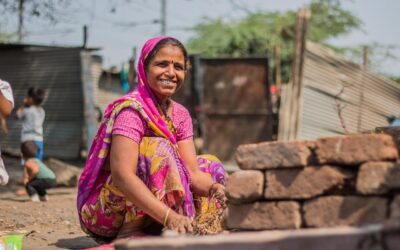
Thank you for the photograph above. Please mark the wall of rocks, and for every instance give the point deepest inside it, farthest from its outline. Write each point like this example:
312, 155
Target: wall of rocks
333, 181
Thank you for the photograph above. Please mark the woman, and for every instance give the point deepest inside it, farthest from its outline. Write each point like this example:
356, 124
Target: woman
142, 166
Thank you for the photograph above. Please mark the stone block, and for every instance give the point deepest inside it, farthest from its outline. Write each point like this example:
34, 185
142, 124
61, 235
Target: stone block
304, 183
355, 149
330, 211
264, 215
245, 186
395, 207
378, 177
267, 155
392, 131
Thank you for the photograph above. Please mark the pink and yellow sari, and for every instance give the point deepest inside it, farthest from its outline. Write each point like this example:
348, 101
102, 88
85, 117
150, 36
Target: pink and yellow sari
102, 207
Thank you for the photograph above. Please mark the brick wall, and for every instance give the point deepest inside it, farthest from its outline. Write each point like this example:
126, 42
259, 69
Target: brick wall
334, 181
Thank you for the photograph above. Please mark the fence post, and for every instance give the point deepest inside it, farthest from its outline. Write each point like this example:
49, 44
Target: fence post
362, 86
297, 73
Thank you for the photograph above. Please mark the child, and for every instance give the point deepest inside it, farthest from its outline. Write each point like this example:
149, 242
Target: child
32, 116
6, 105
37, 176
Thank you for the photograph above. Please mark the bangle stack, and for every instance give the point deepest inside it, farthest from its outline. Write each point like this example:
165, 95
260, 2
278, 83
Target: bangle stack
166, 216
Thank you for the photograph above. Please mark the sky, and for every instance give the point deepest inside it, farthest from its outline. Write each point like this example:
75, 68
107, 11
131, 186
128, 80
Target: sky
117, 26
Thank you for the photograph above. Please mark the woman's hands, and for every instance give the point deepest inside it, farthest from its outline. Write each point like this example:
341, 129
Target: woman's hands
217, 191
179, 223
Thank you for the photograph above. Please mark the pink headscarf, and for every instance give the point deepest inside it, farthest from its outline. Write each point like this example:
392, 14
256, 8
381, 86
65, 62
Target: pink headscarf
90, 177
145, 96
148, 99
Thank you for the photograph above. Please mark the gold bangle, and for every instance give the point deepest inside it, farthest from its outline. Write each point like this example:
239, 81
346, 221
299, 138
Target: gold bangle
166, 216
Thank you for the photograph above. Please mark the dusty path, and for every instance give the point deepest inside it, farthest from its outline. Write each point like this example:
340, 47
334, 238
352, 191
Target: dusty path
46, 225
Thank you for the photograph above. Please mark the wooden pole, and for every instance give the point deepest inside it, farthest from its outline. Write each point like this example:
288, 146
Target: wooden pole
365, 57
163, 17
297, 73
362, 86
85, 34
20, 20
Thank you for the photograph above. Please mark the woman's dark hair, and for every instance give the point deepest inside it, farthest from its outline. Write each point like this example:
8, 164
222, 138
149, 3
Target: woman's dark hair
160, 45
29, 149
37, 94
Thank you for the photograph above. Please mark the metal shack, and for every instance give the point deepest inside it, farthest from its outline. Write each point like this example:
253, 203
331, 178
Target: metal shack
335, 96
70, 76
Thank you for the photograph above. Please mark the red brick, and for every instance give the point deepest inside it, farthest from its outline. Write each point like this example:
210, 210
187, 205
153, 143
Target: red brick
355, 149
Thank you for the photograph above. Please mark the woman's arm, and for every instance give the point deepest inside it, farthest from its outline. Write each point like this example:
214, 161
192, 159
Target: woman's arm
123, 160
202, 183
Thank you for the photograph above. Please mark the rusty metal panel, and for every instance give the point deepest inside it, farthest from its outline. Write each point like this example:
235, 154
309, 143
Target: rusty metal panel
58, 71
226, 132
235, 85
235, 104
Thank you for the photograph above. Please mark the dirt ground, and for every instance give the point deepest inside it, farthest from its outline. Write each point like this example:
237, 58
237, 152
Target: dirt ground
45, 225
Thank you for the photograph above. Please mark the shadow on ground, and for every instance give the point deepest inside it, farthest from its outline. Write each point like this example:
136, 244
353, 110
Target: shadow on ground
81, 242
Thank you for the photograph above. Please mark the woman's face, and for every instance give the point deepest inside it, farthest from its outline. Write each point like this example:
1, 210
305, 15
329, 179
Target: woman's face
166, 71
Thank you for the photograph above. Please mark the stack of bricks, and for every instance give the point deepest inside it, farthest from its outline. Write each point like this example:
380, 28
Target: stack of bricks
333, 181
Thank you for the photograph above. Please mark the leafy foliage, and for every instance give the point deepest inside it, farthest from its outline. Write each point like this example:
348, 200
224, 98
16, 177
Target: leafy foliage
258, 33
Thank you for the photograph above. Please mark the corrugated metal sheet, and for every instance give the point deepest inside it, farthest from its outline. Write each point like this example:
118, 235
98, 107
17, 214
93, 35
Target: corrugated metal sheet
367, 98
58, 71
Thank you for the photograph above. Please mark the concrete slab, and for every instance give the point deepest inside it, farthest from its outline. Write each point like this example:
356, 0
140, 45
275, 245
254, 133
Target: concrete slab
343, 238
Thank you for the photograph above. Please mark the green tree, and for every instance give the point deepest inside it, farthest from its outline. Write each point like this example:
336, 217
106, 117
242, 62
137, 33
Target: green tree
258, 33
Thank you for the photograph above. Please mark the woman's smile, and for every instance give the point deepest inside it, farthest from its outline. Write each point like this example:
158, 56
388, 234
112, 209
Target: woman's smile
167, 83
